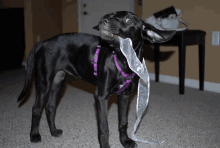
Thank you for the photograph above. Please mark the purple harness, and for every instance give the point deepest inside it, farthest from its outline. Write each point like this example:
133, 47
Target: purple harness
126, 83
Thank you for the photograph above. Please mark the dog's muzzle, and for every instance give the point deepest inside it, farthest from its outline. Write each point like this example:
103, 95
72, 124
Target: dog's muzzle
108, 29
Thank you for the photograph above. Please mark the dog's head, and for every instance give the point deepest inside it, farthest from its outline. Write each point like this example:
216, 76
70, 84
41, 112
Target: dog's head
128, 25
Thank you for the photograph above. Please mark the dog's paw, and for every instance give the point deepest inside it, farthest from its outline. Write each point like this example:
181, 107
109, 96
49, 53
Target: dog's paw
35, 138
128, 143
56, 132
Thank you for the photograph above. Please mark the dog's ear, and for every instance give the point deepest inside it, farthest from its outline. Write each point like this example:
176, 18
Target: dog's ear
154, 35
96, 27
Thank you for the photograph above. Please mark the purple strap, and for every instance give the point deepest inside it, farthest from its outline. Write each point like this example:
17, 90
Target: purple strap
119, 68
96, 59
127, 82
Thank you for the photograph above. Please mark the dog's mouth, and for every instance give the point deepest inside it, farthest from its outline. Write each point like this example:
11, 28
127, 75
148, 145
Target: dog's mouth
107, 35
155, 37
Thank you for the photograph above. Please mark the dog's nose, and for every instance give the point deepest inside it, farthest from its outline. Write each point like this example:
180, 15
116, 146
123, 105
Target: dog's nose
105, 21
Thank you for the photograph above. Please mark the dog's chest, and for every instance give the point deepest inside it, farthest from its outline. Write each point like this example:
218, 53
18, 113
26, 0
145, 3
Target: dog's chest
116, 70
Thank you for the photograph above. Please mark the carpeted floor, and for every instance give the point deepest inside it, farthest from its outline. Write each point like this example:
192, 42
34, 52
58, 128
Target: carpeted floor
182, 121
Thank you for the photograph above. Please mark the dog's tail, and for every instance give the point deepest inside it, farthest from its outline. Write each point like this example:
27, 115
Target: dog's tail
29, 70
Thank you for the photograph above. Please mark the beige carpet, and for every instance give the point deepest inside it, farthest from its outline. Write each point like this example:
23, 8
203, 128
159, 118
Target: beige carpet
182, 121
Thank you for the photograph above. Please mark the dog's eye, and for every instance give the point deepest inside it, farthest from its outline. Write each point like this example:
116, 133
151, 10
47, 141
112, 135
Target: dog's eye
128, 21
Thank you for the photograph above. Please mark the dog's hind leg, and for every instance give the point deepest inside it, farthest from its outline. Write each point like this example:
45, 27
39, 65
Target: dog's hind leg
43, 82
51, 105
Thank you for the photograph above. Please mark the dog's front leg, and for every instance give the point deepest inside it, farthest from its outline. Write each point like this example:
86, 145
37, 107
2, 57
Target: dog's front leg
101, 101
123, 102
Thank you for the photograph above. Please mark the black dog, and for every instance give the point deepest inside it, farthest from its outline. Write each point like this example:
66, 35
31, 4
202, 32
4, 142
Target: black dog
74, 53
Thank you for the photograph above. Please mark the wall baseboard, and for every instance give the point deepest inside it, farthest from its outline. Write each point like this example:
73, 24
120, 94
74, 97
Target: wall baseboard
209, 86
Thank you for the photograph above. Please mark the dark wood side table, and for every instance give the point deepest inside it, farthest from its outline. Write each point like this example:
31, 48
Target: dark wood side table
182, 39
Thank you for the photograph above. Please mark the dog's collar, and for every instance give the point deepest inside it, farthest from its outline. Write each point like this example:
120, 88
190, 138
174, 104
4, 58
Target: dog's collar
127, 76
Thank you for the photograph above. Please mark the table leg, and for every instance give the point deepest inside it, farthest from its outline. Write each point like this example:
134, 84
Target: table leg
201, 66
156, 60
182, 55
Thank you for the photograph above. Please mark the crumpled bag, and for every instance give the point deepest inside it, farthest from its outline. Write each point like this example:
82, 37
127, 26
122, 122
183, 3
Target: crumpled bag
143, 85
